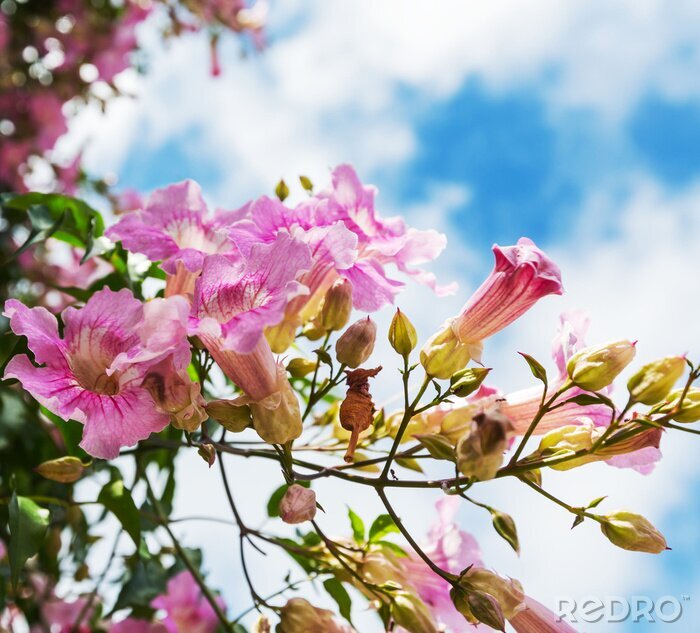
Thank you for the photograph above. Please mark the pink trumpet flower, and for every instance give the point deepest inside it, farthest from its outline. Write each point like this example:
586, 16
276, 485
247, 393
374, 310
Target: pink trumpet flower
94, 373
174, 228
235, 301
536, 618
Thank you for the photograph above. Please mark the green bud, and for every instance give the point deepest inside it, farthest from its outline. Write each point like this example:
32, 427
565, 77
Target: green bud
444, 354
402, 334
689, 409
505, 526
467, 381
410, 613
507, 591
356, 344
65, 470
300, 367
208, 453
653, 382
486, 609
233, 417
337, 306
632, 532
299, 615
596, 367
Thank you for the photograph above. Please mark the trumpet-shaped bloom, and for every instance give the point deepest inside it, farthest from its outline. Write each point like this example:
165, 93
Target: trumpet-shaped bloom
186, 608
522, 275
234, 301
94, 372
536, 618
174, 228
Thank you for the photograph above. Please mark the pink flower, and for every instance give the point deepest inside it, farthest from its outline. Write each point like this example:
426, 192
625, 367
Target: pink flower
234, 301
132, 625
523, 274
536, 618
186, 609
450, 549
380, 241
174, 229
94, 373
62, 615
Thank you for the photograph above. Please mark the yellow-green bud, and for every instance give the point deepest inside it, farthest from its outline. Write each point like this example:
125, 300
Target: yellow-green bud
277, 419
689, 410
65, 470
632, 532
402, 334
443, 354
356, 344
653, 382
300, 367
337, 306
567, 440
596, 367
410, 613
281, 336
232, 416
507, 591
468, 381
480, 451
299, 615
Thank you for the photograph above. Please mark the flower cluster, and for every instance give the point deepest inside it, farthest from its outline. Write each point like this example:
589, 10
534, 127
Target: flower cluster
57, 53
229, 334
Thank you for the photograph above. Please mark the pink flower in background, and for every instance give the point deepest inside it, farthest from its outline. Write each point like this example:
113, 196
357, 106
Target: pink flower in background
128, 200
62, 615
174, 228
234, 301
450, 549
132, 625
94, 373
536, 618
523, 274
186, 609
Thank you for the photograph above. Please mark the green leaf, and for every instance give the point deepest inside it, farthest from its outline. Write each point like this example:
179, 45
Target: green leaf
281, 190
324, 357
146, 581
55, 215
409, 463
438, 446
358, 526
382, 526
537, 370
336, 591
116, 498
393, 547
28, 525
596, 502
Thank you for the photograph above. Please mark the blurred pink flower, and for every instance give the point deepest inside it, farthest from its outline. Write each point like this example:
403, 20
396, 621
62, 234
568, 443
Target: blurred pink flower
61, 615
186, 609
132, 625
94, 373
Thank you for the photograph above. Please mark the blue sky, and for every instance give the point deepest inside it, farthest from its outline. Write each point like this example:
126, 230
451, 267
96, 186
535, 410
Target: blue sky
576, 124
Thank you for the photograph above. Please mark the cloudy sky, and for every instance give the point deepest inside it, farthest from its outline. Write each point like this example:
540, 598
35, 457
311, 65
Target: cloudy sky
576, 124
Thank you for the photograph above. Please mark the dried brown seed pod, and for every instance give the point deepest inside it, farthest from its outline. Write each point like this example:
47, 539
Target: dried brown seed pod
357, 410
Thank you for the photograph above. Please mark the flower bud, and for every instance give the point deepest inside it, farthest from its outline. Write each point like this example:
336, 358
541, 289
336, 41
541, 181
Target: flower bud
507, 591
468, 381
65, 470
299, 615
653, 382
402, 334
480, 450
337, 306
208, 453
596, 367
300, 367
689, 409
298, 504
380, 567
356, 344
234, 417
443, 354
632, 532
567, 440
410, 613
277, 419
262, 625
176, 395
